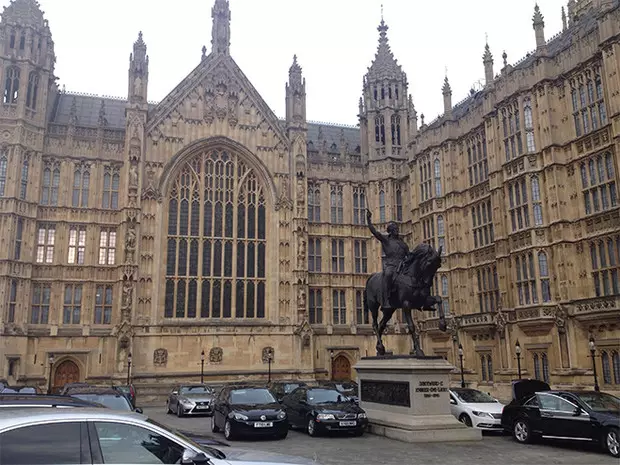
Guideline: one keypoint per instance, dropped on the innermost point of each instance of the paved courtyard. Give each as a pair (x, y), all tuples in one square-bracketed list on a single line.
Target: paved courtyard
[(370, 449)]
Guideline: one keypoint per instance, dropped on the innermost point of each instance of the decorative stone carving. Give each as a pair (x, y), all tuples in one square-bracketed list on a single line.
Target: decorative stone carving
[(301, 252), (216, 354), (560, 318), (268, 353), (301, 298), (133, 176), (127, 300), (500, 323), (160, 357), (130, 245)]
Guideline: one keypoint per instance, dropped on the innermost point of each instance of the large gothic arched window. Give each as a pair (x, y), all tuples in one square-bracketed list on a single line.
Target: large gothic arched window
[(215, 266)]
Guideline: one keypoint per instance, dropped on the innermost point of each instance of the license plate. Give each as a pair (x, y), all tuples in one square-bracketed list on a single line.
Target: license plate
[(202, 407), (263, 424), (348, 423)]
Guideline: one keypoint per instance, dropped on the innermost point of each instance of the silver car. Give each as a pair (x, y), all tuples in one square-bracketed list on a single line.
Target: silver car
[(191, 399), (85, 435)]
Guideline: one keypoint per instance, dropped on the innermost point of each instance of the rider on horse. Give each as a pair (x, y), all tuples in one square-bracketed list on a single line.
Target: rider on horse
[(394, 252)]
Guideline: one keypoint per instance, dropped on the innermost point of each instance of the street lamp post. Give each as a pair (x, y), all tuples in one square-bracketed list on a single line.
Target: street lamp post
[(518, 352), (49, 380), (269, 360), (592, 346), (202, 367), (461, 359), (129, 368)]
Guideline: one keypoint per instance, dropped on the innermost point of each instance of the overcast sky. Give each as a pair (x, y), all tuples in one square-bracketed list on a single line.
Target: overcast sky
[(335, 41)]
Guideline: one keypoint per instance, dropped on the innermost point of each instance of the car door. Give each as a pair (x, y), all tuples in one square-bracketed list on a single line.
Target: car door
[(299, 397), (455, 410), (54, 444), (220, 408), (120, 443), (559, 417)]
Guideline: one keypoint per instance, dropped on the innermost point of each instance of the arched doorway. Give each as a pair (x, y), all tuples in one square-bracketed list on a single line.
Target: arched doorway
[(341, 369), (66, 372)]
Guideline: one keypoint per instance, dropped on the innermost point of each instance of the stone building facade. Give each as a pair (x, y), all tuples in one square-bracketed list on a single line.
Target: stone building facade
[(203, 225)]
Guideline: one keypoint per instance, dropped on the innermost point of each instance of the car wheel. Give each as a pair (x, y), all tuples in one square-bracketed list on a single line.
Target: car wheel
[(521, 431), (611, 442), (311, 427), (464, 418), (179, 411), (214, 427), (228, 433)]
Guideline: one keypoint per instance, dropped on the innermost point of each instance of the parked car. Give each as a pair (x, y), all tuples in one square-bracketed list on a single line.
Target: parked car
[(248, 411), (109, 397), (321, 409), (191, 399), (96, 436), (36, 400), (476, 408), (20, 390), (537, 411), (66, 387), (128, 391), (281, 388), (348, 388)]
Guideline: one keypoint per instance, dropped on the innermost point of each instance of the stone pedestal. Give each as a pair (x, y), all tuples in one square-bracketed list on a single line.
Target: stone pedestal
[(406, 398)]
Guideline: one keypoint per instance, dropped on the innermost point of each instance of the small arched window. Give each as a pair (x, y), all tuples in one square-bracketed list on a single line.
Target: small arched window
[(543, 270), (3, 168), (33, 90), (22, 41), (483, 367), (11, 85), (609, 164), (615, 360), (445, 294), (382, 206), (437, 170), (606, 367), (399, 204), (441, 234), (538, 213), (23, 188)]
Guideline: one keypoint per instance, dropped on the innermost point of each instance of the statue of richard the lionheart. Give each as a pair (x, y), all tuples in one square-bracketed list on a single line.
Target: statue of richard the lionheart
[(405, 282)]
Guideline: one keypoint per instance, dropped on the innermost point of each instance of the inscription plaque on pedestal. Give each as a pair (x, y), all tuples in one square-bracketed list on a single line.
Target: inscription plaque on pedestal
[(386, 392)]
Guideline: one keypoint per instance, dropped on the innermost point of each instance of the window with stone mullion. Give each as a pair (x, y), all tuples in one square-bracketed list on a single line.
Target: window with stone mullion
[(588, 103), (527, 291), (338, 256), (478, 168), (488, 289), (314, 203), (605, 259), (339, 307), (315, 307), (103, 305), (359, 205), (361, 256), (72, 307), (46, 238), (216, 250), (39, 312), (362, 316), (511, 123), (598, 183), (482, 220), (337, 205), (314, 255), (518, 205)]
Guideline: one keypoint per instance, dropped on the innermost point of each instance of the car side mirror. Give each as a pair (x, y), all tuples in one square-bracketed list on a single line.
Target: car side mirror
[(578, 411), (453, 402), (174, 393), (192, 458), (138, 410)]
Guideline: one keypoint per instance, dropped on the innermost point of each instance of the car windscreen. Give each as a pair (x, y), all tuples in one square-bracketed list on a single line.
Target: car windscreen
[(324, 396), (196, 390), (111, 401), (251, 397), (471, 396), (600, 401)]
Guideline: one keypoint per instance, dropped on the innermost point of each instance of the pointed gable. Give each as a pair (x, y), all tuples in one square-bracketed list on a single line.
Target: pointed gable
[(384, 65)]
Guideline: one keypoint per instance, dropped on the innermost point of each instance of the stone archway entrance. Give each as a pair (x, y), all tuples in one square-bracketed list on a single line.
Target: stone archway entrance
[(66, 372), (341, 369)]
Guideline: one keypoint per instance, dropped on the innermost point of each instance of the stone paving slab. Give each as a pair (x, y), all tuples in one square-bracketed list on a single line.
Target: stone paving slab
[(494, 449)]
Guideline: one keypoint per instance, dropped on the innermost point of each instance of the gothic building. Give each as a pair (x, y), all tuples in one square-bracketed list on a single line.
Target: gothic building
[(143, 236)]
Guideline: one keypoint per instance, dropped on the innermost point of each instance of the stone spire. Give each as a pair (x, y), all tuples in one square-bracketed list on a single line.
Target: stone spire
[(103, 122), (384, 65), (487, 60), (25, 13), (539, 28), (564, 24), (447, 97), (295, 97), (220, 42), (138, 71)]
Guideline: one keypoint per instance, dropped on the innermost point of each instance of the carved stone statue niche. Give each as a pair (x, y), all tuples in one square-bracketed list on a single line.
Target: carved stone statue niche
[(130, 245)]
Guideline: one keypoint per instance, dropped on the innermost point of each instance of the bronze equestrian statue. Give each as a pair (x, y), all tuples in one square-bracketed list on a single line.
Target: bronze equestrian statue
[(405, 282)]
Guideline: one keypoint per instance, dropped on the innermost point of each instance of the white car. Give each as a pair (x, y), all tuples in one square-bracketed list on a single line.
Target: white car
[(97, 435), (477, 409)]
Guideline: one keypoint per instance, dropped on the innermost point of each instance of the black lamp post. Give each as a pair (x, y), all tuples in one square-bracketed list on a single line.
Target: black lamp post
[(269, 361), (49, 380), (128, 368), (331, 358), (461, 359), (592, 346), (518, 352), (202, 367)]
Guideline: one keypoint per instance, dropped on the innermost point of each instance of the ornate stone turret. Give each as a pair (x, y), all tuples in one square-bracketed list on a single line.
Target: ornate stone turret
[(384, 112), (138, 72), (295, 97), (487, 59), (564, 24), (539, 28), (220, 42), (446, 90)]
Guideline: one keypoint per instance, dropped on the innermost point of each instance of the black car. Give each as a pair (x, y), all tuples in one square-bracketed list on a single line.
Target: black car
[(36, 400), (348, 388), (537, 411), (281, 388), (108, 397), (248, 411), (321, 409)]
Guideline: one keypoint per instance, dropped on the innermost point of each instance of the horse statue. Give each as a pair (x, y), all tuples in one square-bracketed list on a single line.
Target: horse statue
[(413, 282)]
